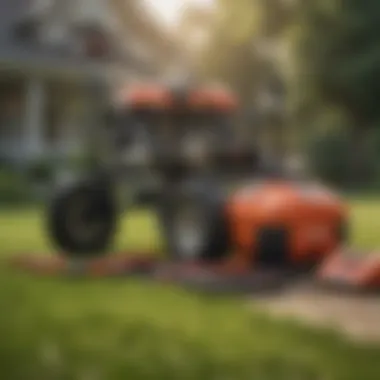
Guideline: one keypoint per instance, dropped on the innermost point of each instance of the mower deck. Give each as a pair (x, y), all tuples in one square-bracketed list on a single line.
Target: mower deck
[(197, 276), (342, 271)]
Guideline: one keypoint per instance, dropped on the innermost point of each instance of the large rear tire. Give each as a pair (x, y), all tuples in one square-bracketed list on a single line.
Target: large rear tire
[(82, 220)]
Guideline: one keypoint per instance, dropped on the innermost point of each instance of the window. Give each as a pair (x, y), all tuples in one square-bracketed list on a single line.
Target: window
[(94, 41), (96, 44), (26, 30), (11, 118)]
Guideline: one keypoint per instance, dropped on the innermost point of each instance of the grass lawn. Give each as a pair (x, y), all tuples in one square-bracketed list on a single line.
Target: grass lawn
[(57, 329)]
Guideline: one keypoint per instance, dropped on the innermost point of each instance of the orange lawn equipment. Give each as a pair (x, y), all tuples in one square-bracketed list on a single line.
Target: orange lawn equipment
[(260, 234), (146, 96), (155, 96)]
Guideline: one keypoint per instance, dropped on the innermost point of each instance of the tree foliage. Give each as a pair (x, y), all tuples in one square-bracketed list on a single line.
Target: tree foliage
[(229, 55), (239, 27), (339, 57), (336, 64)]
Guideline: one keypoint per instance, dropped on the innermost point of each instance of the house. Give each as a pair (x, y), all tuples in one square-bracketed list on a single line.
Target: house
[(58, 58)]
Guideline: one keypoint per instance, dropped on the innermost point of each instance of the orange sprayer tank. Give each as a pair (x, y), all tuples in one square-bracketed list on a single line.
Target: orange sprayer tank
[(310, 217)]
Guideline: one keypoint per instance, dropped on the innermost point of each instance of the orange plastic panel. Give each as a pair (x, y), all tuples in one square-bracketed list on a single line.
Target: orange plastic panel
[(311, 225), (147, 96), (213, 99)]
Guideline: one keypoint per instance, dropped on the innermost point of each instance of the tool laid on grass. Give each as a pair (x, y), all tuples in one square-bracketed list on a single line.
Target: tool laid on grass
[(227, 221)]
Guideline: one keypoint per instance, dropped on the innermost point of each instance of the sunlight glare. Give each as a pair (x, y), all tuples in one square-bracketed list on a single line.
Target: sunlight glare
[(170, 10)]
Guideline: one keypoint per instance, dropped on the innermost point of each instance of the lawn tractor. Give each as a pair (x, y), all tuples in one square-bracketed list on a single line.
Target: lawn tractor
[(223, 211)]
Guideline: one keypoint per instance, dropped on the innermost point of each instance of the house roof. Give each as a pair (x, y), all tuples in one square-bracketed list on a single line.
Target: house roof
[(137, 28)]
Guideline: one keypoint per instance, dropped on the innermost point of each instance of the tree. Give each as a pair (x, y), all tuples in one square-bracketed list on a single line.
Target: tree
[(229, 55), (338, 64), (239, 26)]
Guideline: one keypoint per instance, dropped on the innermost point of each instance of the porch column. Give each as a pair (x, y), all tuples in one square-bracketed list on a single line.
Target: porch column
[(34, 116)]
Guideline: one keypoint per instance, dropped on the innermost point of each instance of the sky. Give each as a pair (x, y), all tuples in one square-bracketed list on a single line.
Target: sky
[(170, 10)]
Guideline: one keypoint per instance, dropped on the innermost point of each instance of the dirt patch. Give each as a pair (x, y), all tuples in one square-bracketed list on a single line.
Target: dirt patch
[(356, 316)]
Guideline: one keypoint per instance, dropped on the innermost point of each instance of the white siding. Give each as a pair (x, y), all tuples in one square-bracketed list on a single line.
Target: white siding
[(93, 10)]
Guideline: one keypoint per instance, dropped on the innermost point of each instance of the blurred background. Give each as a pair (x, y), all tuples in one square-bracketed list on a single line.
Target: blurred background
[(307, 74)]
